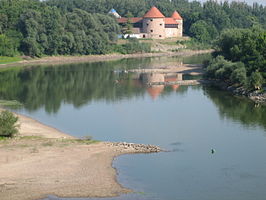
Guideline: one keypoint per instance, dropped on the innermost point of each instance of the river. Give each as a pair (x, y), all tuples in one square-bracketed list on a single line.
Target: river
[(104, 101)]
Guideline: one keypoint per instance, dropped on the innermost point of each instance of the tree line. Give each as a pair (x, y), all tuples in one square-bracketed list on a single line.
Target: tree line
[(203, 21), (240, 58), (63, 27), (35, 28)]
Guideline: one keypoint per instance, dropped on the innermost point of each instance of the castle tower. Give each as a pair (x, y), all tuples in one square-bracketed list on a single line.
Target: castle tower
[(176, 16), (153, 23)]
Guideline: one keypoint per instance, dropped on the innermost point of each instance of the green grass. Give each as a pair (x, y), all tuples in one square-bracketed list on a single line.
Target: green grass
[(31, 137), (12, 103), (3, 138), (5, 60)]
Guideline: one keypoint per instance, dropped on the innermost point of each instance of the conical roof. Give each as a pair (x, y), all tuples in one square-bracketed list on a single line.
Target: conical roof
[(176, 16), (154, 13)]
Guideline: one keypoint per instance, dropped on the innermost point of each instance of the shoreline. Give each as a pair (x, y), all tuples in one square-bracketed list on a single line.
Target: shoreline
[(255, 96), (59, 60), (45, 161)]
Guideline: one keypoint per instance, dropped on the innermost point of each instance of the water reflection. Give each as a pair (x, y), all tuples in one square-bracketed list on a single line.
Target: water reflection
[(50, 87), (239, 109), (149, 81)]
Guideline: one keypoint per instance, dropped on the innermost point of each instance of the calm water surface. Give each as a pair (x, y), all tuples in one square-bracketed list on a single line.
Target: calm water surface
[(96, 99)]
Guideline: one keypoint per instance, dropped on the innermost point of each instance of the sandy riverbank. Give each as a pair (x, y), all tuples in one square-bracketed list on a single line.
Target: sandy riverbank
[(57, 60), (45, 161)]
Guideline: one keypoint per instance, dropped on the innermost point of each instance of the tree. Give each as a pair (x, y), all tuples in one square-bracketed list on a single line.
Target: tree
[(256, 80), (199, 30), (239, 74), (7, 47), (8, 126)]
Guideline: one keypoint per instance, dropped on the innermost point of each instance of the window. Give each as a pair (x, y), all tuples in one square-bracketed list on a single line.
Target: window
[(151, 30), (170, 26), (147, 24), (160, 35), (144, 36), (161, 24), (151, 20)]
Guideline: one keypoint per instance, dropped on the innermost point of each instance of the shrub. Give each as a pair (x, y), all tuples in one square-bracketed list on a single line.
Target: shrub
[(239, 75), (8, 126), (133, 46), (256, 80)]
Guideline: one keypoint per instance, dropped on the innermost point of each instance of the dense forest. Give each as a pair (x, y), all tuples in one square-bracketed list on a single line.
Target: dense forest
[(63, 27), (240, 58)]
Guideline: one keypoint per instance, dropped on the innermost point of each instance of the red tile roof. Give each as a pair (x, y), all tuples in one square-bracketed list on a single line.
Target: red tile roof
[(154, 13), (176, 15), (169, 20), (132, 19)]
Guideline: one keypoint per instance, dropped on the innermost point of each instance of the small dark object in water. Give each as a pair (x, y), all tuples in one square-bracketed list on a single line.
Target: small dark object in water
[(212, 151)]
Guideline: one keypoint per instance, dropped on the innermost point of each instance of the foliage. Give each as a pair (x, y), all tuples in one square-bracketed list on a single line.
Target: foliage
[(8, 127), (132, 46), (202, 32), (63, 27), (215, 16), (7, 47), (256, 80), (37, 29), (242, 57), (193, 44)]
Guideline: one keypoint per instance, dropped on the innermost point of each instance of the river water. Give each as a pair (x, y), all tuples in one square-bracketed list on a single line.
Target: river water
[(104, 101)]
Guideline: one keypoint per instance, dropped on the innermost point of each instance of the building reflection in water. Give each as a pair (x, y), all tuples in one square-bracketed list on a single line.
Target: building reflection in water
[(149, 80)]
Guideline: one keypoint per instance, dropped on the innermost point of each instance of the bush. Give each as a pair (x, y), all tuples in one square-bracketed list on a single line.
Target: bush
[(194, 44), (256, 80), (133, 46), (8, 127), (239, 75)]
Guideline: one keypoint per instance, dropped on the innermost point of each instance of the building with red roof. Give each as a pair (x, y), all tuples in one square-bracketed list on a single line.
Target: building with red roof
[(154, 25)]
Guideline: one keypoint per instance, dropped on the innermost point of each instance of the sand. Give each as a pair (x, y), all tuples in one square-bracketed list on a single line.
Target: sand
[(44, 161)]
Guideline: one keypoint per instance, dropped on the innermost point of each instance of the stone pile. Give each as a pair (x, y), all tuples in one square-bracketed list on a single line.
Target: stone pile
[(260, 97), (137, 148)]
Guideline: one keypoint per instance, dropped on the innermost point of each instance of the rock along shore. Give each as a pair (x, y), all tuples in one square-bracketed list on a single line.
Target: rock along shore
[(136, 148), (256, 96)]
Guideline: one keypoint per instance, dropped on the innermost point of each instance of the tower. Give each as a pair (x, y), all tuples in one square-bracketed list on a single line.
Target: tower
[(153, 23), (179, 20)]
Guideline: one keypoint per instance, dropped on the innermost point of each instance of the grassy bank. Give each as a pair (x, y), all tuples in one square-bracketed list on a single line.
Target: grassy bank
[(5, 60)]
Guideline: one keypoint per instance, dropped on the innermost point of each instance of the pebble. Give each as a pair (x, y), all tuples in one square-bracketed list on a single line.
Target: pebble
[(140, 148)]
